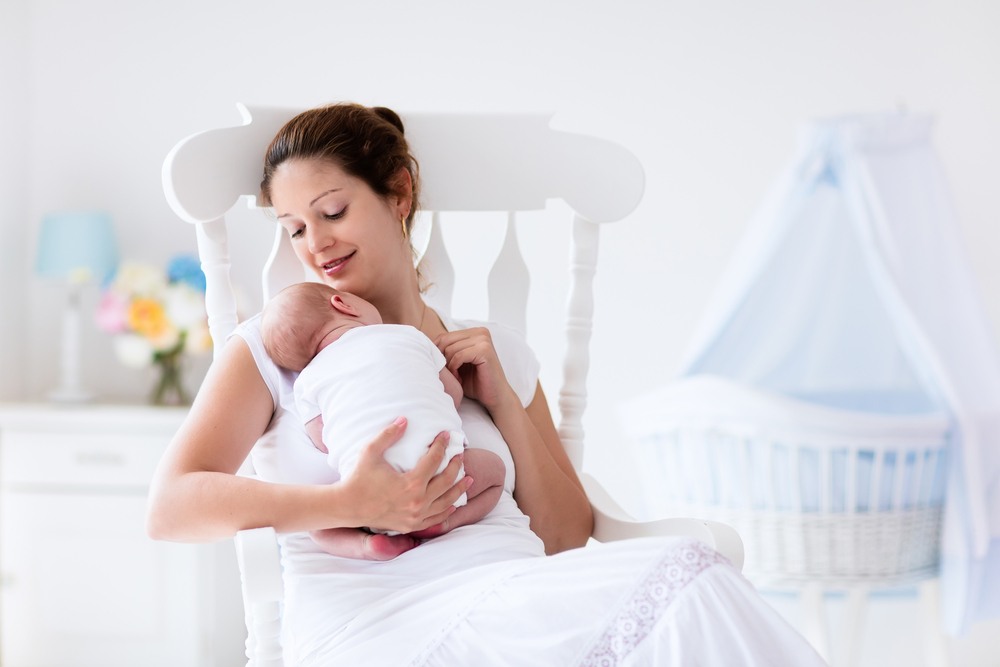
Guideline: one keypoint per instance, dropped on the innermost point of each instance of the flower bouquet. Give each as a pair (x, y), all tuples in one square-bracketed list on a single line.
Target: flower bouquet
[(156, 317)]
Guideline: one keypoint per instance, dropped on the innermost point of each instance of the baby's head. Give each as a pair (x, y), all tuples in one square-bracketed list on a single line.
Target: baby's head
[(303, 319)]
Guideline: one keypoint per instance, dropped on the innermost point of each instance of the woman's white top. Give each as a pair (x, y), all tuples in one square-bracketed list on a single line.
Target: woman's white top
[(367, 378), (485, 594)]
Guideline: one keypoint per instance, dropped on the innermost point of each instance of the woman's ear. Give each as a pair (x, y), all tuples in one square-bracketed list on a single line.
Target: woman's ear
[(342, 306), (404, 193)]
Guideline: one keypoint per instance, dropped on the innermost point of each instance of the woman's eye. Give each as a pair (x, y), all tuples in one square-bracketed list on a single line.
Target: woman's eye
[(336, 216), (297, 233)]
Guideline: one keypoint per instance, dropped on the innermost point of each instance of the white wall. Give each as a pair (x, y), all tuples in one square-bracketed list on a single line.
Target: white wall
[(707, 94), (14, 160)]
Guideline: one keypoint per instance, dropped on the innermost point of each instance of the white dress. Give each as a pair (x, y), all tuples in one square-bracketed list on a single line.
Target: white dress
[(486, 594), (364, 380)]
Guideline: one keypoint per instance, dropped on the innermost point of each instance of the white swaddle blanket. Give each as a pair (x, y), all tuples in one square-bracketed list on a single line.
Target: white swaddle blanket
[(368, 378)]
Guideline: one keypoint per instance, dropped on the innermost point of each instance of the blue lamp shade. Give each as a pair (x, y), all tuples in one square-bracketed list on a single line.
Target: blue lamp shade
[(77, 245)]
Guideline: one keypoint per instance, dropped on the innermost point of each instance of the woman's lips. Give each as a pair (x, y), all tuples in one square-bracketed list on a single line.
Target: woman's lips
[(337, 265)]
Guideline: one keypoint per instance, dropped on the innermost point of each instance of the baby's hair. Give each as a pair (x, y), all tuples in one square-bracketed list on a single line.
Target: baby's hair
[(289, 321)]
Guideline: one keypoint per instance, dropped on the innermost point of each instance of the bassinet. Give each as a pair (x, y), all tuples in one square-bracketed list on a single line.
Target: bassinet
[(819, 495)]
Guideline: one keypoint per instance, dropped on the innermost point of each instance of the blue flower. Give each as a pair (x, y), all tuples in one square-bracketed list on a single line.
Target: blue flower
[(187, 269)]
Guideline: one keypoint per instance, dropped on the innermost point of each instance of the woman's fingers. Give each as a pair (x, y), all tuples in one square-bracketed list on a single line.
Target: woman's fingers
[(425, 499), (449, 337), (435, 519), (451, 496), (439, 484), (429, 463), (385, 439)]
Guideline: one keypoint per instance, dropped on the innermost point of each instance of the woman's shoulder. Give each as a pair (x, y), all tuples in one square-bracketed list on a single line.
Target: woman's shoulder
[(275, 377)]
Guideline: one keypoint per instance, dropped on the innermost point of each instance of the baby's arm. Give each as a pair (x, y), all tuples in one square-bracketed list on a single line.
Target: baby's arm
[(487, 472), (314, 427), (452, 387)]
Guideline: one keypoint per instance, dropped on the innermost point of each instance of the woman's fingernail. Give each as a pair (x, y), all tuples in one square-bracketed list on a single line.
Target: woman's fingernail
[(399, 421), (447, 436), (468, 483)]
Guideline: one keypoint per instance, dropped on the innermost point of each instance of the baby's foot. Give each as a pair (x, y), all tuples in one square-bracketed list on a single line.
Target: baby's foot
[(386, 547), (434, 531)]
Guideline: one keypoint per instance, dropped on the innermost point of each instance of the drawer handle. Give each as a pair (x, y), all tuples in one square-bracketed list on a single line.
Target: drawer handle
[(99, 459)]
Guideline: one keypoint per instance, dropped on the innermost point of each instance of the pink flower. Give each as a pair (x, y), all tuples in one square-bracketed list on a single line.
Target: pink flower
[(111, 312)]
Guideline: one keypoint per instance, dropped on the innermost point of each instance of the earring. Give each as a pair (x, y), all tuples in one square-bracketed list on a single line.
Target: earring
[(402, 222)]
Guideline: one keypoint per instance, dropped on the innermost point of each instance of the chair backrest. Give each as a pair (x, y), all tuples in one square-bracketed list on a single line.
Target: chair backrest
[(487, 162)]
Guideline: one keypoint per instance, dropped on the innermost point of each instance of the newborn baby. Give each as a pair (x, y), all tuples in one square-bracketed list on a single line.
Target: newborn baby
[(356, 376)]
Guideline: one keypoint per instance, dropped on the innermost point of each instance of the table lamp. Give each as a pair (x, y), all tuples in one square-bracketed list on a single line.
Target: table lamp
[(76, 247)]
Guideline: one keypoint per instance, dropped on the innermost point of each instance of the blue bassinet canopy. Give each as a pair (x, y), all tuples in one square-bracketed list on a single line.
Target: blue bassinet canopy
[(852, 289)]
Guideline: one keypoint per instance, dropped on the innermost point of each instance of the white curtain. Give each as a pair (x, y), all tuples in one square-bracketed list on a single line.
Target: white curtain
[(852, 289)]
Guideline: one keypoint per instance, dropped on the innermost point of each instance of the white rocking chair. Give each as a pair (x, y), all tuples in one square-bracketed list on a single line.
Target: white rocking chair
[(467, 163)]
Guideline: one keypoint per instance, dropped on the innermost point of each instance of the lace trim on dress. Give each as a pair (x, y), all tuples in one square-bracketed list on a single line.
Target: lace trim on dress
[(640, 612)]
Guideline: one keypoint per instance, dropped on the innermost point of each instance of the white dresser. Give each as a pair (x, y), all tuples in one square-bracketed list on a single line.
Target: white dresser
[(82, 584)]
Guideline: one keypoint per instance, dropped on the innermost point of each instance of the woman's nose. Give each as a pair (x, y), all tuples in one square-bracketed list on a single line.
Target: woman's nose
[(319, 238)]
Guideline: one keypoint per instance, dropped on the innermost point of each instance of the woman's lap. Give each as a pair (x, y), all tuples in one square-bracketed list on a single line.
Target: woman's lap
[(661, 601)]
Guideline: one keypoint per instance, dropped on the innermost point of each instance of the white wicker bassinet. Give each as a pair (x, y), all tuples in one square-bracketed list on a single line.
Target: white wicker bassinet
[(819, 495)]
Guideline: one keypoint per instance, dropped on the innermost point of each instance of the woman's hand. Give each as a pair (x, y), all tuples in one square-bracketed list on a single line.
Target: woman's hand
[(406, 502), (470, 355)]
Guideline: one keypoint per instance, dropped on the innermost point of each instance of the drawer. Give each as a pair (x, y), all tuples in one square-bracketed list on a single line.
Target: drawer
[(78, 460)]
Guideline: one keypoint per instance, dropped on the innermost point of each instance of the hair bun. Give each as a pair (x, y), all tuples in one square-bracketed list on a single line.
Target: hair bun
[(389, 115)]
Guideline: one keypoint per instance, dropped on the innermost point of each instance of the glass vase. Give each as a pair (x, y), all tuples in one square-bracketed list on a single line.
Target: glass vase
[(169, 389)]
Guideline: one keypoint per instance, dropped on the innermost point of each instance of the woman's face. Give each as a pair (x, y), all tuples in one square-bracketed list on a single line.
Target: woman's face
[(340, 228)]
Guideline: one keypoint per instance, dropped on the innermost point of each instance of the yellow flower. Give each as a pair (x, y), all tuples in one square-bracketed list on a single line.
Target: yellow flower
[(146, 317)]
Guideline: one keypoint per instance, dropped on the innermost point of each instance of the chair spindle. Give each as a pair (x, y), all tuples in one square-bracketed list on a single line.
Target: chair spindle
[(579, 325), (220, 301)]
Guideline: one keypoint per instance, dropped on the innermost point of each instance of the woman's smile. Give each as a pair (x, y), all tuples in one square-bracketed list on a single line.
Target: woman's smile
[(337, 265)]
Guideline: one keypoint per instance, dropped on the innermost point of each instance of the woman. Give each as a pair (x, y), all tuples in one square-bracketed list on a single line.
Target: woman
[(345, 188)]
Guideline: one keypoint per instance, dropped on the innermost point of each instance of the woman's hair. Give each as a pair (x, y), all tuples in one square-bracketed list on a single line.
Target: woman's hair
[(367, 143)]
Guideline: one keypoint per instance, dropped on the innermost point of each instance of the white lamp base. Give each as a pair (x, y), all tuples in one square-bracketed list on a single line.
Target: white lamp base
[(70, 390)]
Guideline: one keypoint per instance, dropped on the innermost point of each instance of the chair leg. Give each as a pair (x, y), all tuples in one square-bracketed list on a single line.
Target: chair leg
[(855, 618), (814, 623), (935, 645)]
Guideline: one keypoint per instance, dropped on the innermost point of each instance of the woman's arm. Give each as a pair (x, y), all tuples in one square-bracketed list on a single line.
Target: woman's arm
[(547, 488), (195, 495)]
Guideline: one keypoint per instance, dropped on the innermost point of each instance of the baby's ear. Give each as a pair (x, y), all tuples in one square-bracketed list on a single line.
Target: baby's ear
[(342, 306)]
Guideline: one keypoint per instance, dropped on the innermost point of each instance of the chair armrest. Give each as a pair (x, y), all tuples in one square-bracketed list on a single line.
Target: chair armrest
[(260, 564), (612, 523), (260, 569)]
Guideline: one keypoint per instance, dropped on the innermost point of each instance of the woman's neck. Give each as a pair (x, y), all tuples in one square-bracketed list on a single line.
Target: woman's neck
[(399, 305), (402, 311), (406, 306), (412, 311)]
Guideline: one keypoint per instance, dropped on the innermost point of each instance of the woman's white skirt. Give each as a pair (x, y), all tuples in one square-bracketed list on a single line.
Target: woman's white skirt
[(650, 601)]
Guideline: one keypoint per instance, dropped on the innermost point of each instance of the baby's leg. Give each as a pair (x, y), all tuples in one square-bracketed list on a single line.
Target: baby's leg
[(487, 472), (356, 543)]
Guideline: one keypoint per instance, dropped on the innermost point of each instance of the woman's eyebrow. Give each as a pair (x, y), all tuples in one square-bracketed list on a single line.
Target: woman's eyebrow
[(324, 194), (285, 215)]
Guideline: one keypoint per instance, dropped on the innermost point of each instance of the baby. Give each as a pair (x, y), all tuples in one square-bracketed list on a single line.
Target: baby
[(356, 376)]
